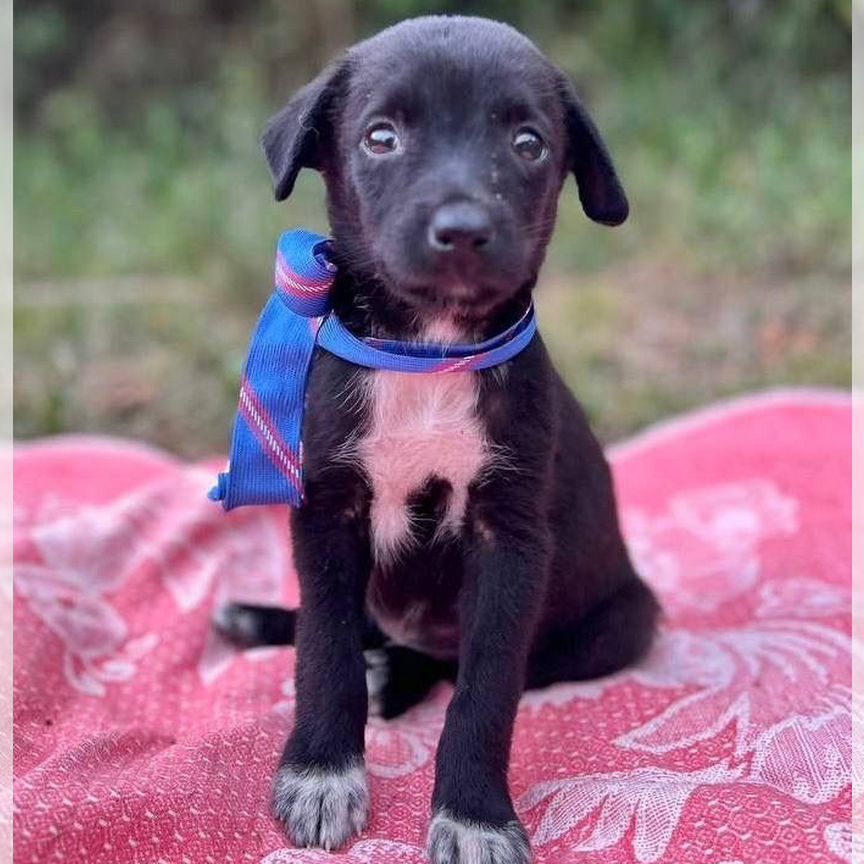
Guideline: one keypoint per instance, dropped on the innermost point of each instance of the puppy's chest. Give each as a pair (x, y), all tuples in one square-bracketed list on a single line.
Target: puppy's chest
[(424, 433)]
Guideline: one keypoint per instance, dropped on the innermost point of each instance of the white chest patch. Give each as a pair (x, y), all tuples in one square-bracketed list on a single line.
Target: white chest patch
[(421, 426)]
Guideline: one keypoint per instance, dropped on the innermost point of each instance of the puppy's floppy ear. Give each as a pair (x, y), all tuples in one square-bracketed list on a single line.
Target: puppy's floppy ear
[(600, 190), (292, 139)]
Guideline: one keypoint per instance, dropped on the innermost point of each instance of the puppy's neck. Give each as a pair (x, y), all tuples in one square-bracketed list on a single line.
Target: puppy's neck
[(367, 308)]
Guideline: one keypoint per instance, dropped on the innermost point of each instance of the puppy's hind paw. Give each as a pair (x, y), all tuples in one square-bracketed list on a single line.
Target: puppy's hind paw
[(236, 623), (249, 626), (321, 807), (456, 841)]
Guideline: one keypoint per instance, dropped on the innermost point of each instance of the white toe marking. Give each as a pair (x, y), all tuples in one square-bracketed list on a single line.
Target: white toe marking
[(240, 623), (376, 678), (221, 618), (319, 807), (454, 841)]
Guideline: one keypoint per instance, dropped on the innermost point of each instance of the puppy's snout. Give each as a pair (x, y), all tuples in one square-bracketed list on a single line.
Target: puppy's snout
[(460, 228)]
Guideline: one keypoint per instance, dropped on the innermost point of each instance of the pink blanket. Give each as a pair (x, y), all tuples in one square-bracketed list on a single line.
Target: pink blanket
[(140, 737)]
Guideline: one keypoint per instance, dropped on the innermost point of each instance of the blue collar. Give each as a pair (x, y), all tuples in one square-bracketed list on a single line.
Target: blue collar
[(266, 464)]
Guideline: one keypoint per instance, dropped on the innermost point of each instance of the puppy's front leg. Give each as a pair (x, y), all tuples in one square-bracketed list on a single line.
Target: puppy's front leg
[(320, 792), (473, 819)]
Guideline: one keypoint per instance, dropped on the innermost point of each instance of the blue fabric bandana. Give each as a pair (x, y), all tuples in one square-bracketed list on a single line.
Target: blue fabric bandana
[(266, 462)]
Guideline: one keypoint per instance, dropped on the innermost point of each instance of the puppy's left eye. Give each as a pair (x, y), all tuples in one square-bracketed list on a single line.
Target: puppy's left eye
[(528, 144), (381, 139)]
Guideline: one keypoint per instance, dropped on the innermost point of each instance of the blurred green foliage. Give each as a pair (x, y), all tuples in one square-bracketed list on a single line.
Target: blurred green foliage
[(136, 153)]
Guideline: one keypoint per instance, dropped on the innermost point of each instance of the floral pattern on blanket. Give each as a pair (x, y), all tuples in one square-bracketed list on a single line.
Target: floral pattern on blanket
[(771, 684), (83, 560), (703, 549), (142, 737)]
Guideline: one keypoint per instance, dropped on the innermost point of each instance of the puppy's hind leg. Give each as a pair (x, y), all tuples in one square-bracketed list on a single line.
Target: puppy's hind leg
[(614, 634), (251, 626), (398, 678)]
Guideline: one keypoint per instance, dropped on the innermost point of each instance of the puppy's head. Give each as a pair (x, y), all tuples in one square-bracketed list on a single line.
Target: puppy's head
[(444, 142)]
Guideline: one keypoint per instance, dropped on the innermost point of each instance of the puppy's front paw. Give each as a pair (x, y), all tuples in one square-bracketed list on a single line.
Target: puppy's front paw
[(321, 807), (456, 841)]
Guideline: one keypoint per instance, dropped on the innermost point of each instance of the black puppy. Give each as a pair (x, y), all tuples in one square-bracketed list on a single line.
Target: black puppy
[(464, 524)]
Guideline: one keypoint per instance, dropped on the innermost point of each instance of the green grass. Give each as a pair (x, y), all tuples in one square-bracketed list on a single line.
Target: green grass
[(732, 272)]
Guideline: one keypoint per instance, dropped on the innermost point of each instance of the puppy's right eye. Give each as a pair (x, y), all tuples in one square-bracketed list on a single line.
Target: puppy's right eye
[(381, 139), (529, 145)]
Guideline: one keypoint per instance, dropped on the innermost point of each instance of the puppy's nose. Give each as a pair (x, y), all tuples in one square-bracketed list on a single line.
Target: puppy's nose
[(461, 227)]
